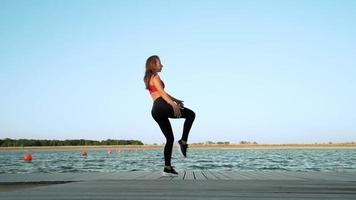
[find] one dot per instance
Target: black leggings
(161, 111)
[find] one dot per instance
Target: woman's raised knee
(192, 115)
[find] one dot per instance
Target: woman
(164, 107)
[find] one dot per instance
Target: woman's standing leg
(166, 129)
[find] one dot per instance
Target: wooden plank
(189, 175)
(150, 176)
(237, 176)
(335, 176)
(213, 174)
(258, 175)
(199, 175)
(316, 176)
(253, 175)
(126, 175)
(192, 190)
(343, 176)
(180, 176)
(293, 174)
(227, 174)
(209, 175)
(272, 175)
(218, 175)
(166, 178)
(36, 177)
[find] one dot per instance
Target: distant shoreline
(192, 146)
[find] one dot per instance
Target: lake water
(198, 159)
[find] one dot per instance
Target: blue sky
(264, 71)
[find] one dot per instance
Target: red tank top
(153, 88)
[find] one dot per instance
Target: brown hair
(151, 62)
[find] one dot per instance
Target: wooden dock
(188, 185)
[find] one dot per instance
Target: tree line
(7, 142)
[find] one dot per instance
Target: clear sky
(264, 71)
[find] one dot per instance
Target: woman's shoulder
(154, 78)
(155, 75)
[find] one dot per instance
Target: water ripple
(150, 160)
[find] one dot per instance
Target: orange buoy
(27, 157)
(84, 153)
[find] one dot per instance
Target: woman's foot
(183, 146)
(169, 171)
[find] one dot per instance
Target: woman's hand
(180, 104)
(176, 109)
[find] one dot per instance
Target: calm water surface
(152, 160)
